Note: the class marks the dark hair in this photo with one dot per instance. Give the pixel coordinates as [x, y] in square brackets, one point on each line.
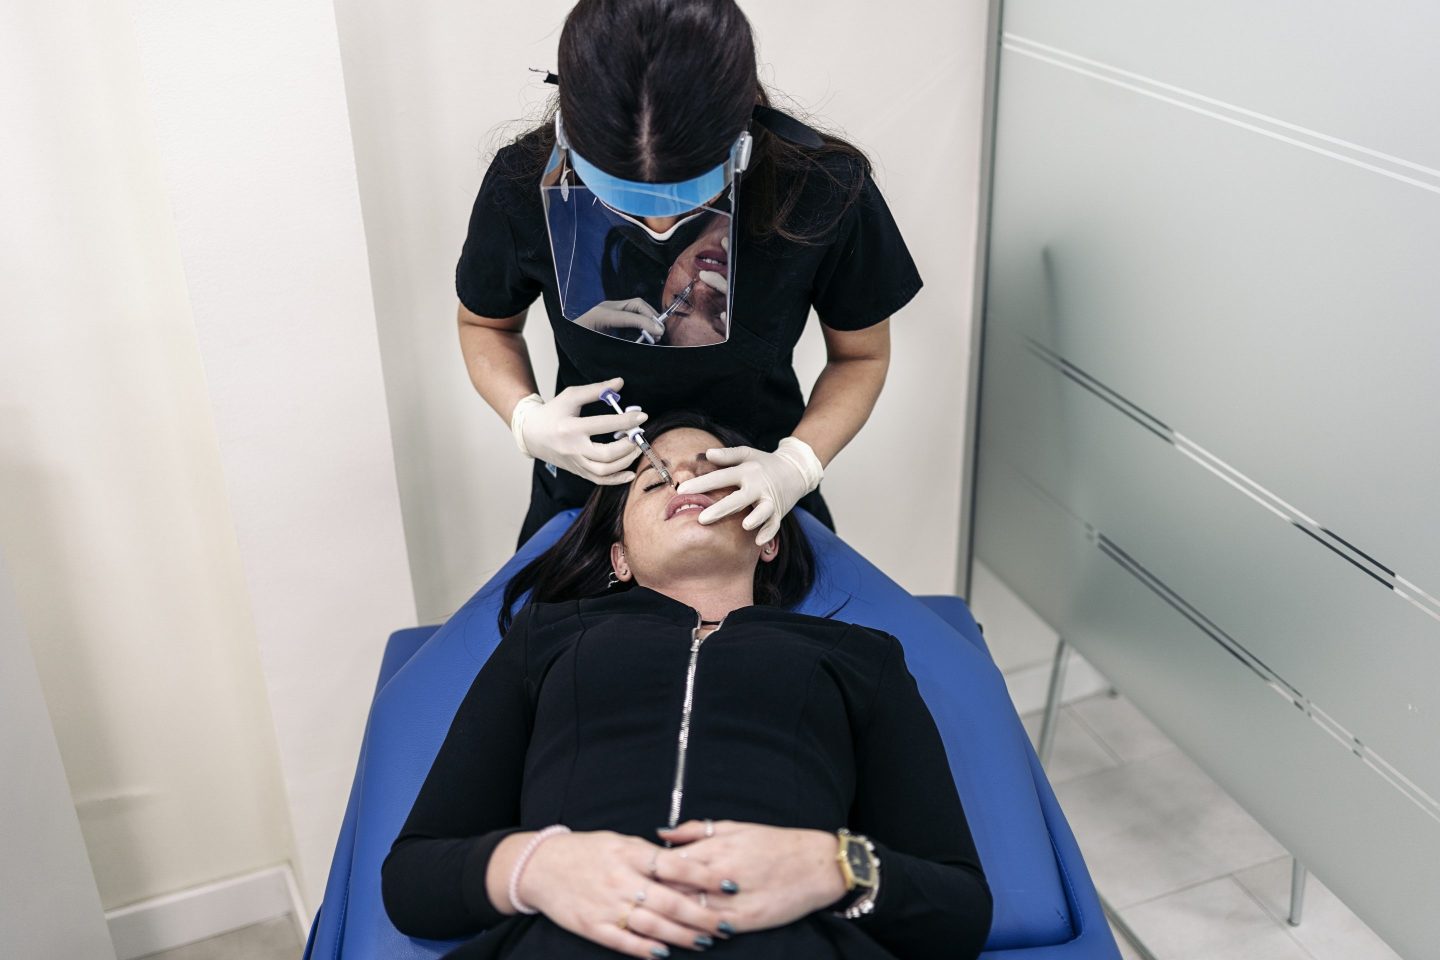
[658, 90]
[578, 564]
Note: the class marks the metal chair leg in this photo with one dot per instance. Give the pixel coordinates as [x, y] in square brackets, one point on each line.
[1052, 702]
[1298, 875]
[1042, 749]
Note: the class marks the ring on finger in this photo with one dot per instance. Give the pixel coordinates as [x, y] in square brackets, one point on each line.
[624, 922]
[654, 870]
[639, 896]
[704, 900]
[709, 827]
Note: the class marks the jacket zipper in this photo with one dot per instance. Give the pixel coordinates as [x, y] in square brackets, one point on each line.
[677, 793]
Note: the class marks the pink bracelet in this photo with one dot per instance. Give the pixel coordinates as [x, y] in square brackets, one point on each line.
[524, 858]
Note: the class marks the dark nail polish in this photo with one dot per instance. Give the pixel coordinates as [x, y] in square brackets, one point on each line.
[660, 952]
[724, 927]
[704, 942]
[729, 886]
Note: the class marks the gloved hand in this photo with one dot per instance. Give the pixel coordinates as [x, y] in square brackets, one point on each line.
[772, 482]
[556, 433]
[635, 313]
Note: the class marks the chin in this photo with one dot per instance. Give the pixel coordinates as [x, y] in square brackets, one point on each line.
[694, 333]
[690, 533]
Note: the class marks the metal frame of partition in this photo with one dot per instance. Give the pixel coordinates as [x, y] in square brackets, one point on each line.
[971, 441]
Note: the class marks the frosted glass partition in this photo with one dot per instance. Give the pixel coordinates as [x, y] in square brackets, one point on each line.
[1209, 431]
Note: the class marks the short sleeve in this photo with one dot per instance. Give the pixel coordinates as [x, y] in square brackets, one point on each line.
[867, 274]
[488, 278]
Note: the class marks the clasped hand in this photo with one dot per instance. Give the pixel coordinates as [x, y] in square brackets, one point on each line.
[635, 897]
[778, 874]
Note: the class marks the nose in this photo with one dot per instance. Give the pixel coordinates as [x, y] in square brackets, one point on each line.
[685, 469]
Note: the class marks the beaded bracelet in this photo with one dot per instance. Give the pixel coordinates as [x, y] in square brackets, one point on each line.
[524, 858]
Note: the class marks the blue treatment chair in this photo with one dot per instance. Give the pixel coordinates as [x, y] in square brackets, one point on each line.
[1046, 907]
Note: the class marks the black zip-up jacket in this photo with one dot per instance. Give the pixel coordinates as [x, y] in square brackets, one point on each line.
[796, 721]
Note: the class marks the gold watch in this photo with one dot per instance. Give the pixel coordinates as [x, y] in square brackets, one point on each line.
[861, 869]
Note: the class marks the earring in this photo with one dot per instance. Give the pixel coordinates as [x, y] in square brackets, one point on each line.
[613, 580]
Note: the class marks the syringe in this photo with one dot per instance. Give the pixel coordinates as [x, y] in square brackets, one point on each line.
[637, 434]
[682, 297]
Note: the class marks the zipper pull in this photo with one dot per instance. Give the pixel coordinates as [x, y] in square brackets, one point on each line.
[701, 622]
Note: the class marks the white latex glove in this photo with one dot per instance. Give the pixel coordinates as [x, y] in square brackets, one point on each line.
[634, 314]
[716, 281]
[770, 483]
[556, 433]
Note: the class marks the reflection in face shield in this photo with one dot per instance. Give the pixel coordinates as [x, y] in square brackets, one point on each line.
[703, 318]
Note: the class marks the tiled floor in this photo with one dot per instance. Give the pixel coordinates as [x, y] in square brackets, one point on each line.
[1192, 874]
[275, 939]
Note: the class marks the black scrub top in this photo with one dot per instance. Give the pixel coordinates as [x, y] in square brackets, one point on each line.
[795, 721]
[855, 276]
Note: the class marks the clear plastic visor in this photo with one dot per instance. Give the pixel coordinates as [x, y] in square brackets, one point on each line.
[619, 277]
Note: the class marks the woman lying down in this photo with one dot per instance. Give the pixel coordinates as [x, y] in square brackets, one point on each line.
[659, 755]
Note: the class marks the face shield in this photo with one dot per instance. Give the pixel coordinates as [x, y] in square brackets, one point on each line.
[619, 276]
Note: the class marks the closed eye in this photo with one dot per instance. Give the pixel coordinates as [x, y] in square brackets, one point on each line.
[648, 487]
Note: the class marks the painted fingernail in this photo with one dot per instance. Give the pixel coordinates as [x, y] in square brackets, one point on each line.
[659, 951]
[729, 886]
[724, 927]
[704, 942]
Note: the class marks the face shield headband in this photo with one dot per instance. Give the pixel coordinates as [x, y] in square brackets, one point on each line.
[641, 199]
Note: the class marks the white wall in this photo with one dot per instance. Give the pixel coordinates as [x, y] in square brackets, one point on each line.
[254, 142]
[430, 91]
[113, 513]
[52, 907]
[199, 495]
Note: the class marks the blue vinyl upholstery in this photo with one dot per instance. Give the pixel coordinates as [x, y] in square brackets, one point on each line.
[1046, 907]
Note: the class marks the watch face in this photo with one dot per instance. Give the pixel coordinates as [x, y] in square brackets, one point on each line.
[857, 856]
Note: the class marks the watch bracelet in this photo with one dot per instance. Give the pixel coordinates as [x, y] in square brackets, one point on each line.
[859, 905]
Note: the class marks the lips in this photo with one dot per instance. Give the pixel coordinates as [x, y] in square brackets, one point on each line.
[689, 503]
[713, 259]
